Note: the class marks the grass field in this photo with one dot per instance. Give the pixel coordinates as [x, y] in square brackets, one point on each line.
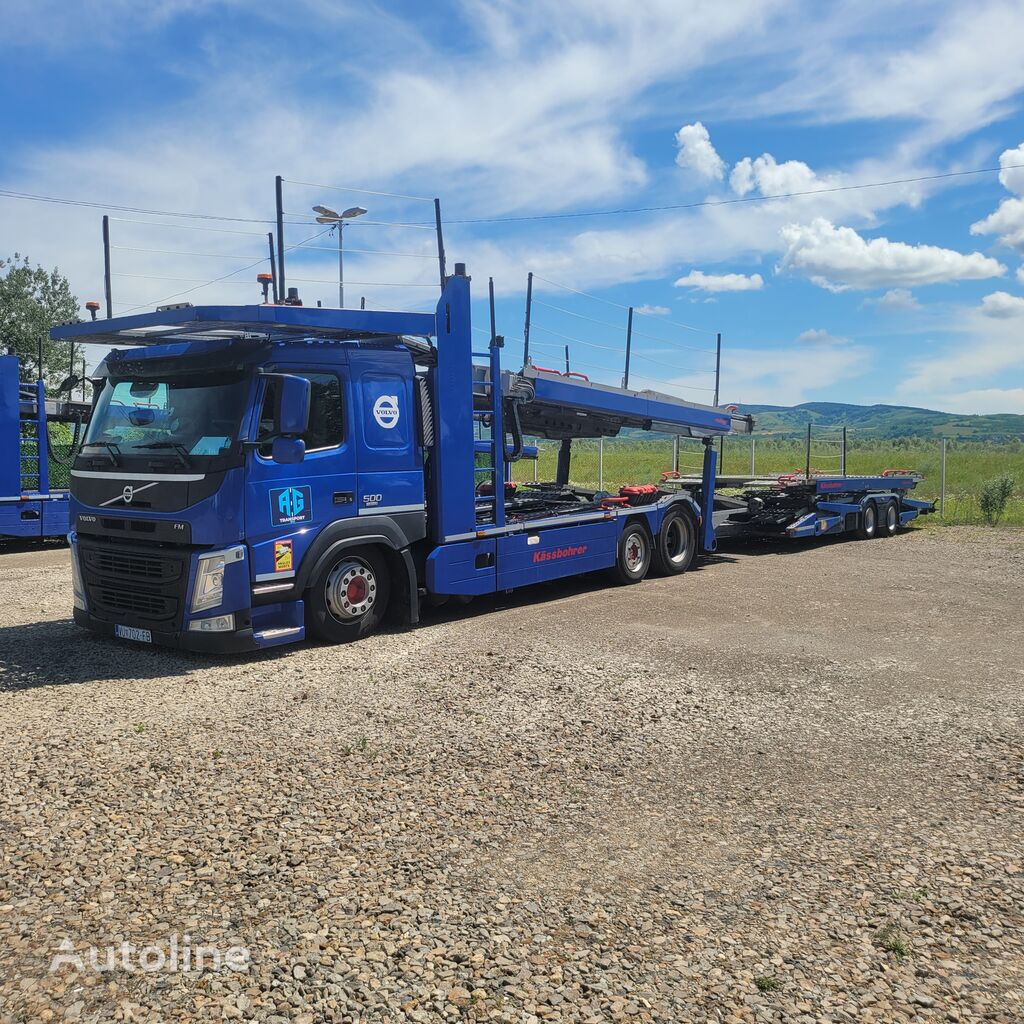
[968, 466]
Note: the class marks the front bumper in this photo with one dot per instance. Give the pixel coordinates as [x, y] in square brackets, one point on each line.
[236, 642]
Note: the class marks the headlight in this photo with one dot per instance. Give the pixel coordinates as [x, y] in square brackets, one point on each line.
[214, 624]
[208, 591]
[76, 579]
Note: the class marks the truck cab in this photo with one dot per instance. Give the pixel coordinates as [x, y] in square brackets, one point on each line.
[220, 475]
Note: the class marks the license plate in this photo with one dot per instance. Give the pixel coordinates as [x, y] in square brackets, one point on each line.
[132, 633]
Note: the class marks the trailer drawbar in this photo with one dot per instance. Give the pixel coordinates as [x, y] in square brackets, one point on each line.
[251, 473]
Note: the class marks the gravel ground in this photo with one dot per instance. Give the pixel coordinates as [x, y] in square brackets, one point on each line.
[786, 787]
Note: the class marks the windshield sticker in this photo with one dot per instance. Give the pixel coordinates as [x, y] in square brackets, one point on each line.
[209, 445]
[282, 555]
[291, 505]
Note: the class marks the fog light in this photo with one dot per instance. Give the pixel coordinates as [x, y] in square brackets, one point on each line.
[214, 624]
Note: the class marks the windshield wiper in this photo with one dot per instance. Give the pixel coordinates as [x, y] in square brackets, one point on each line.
[179, 449]
[112, 449]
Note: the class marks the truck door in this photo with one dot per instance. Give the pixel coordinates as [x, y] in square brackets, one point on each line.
[389, 458]
[286, 506]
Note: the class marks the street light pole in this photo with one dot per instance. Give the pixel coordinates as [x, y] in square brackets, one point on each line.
[341, 266]
[337, 221]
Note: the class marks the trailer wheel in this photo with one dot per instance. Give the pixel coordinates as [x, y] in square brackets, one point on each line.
[868, 521]
[890, 519]
[349, 596]
[676, 545]
[633, 557]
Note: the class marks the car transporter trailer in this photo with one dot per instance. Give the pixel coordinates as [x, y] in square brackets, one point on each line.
[212, 510]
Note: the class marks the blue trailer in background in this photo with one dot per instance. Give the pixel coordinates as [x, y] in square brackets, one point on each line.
[31, 507]
[251, 473]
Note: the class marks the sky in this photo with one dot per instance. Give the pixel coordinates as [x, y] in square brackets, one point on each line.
[622, 153]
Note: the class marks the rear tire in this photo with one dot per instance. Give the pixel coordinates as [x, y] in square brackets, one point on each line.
[890, 519]
[868, 528]
[633, 556]
[349, 596]
[676, 545]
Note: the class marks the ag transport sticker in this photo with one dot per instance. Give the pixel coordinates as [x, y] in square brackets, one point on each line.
[291, 505]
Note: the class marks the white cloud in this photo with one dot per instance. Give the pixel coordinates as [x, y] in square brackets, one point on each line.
[985, 349]
[653, 310]
[947, 71]
[895, 300]
[1007, 220]
[696, 152]
[771, 178]
[1020, 274]
[979, 400]
[721, 282]
[837, 258]
[1002, 306]
[785, 375]
[815, 336]
[1011, 175]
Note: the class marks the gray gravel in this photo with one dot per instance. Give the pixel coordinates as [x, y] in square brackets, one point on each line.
[786, 787]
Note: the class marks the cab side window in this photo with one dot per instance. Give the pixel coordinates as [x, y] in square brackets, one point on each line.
[326, 414]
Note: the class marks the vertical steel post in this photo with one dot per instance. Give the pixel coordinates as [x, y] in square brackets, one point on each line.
[566, 359]
[273, 267]
[526, 323]
[83, 378]
[718, 363]
[629, 343]
[497, 420]
[707, 494]
[753, 446]
[600, 463]
[440, 242]
[721, 453]
[808, 470]
[675, 453]
[42, 448]
[842, 460]
[362, 302]
[106, 266]
[536, 463]
[942, 482]
[279, 197]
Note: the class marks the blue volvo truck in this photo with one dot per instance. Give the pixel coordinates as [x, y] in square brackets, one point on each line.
[252, 474]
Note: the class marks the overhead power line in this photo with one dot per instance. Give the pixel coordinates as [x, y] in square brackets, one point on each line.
[61, 200]
[732, 202]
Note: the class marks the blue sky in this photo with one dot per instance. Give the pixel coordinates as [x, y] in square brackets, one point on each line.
[906, 294]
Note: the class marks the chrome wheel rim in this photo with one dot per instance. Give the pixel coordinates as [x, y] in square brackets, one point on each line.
[891, 519]
[677, 541]
[351, 590]
[635, 553]
[869, 519]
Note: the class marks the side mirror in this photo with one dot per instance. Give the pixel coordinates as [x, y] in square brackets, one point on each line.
[292, 405]
[287, 451]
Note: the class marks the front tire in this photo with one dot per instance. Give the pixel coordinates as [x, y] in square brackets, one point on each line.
[676, 546]
[633, 556]
[349, 596]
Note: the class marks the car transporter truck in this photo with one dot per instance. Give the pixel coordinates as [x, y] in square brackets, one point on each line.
[253, 472]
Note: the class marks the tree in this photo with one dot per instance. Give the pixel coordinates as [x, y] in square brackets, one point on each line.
[32, 300]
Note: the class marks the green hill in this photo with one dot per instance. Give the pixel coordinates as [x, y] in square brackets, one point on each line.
[885, 421]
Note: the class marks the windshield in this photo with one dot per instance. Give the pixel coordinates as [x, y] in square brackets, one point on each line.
[178, 417]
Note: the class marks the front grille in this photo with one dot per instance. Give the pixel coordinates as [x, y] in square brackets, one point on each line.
[133, 586]
[153, 607]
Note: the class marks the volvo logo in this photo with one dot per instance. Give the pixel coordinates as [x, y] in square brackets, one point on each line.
[128, 494]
